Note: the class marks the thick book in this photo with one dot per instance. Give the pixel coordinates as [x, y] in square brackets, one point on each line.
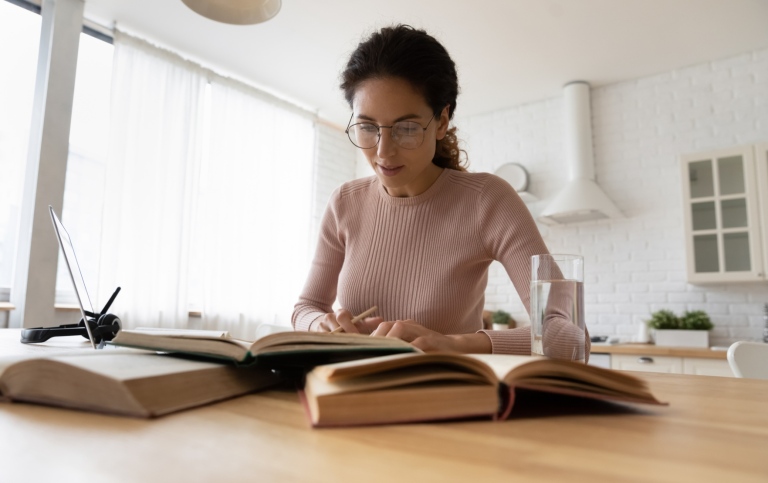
[124, 381]
[440, 386]
[282, 349]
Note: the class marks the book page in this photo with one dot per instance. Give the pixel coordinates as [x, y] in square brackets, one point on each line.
[502, 364]
[186, 333]
[575, 378]
[542, 371]
[126, 364]
[223, 346]
[342, 339]
[8, 361]
[396, 378]
[559, 369]
[394, 364]
[580, 387]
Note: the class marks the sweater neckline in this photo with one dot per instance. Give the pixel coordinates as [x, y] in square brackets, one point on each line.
[414, 200]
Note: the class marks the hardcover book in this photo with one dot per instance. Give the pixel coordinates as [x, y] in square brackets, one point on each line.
[125, 382]
[299, 349]
[438, 386]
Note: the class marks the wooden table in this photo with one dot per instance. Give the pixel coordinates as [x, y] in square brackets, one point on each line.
[715, 429]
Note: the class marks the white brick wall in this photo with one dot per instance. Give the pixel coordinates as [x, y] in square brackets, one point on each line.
[636, 265]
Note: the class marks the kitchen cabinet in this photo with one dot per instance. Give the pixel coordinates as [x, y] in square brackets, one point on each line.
[706, 367]
[670, 360]
[671, 365]
[646, 363]
[724, 214]
[761, 160]
[600, 360]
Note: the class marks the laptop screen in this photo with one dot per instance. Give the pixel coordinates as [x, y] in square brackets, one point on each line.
[70, 259]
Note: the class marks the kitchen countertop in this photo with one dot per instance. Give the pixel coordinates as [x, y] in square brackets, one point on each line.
[654, 350]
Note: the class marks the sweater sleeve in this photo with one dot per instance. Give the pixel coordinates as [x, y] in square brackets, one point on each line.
[319, 291]
[510, 235]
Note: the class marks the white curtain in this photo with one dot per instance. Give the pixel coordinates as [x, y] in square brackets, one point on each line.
[253, 210]
[207, 196]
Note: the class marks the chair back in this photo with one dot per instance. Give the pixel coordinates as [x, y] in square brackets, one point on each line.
[749, 359]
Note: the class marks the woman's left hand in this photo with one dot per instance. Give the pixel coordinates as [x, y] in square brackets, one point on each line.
[429, 340]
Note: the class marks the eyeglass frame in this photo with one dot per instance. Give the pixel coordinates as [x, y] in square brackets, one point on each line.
[378, 129]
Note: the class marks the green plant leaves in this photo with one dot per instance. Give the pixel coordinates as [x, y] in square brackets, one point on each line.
[691, 320]
[696, 320]
[501, 317]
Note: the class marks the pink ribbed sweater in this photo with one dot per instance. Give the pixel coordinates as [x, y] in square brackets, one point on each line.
[425, 257]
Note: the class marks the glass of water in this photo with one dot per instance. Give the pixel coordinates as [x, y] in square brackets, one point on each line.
[557, 307]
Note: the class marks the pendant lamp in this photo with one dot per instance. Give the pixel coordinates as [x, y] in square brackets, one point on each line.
[238, 12]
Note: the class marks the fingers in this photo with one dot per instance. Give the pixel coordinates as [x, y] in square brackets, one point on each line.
[369, 324]
[425, 344]
[402, 329]
[322, 324]
[420, 337]
[383, 329]
[344, 319]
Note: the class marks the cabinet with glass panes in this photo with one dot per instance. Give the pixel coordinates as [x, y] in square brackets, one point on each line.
[725, 208]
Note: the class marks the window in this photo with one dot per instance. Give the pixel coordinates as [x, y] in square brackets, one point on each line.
[19, 43]
[19, 48]
[244, 162]
[86, 165]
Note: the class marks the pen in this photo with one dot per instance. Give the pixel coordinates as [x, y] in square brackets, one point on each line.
[357, 318]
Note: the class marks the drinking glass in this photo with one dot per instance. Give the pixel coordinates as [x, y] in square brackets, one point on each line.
[557, 306]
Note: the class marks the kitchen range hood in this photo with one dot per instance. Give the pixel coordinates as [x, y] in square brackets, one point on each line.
[581, 199]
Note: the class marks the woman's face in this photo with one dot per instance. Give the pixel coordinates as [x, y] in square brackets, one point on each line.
[403, 172]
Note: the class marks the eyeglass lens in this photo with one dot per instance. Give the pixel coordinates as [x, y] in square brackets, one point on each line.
[406, 134]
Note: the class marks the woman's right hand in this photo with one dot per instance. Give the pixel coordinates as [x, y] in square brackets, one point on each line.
[343, 318]
[329, 322]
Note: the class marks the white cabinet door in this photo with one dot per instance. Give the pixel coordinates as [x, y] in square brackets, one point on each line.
[706, 367]
[600, 360]
[671, 365]
[721, 212]
[761, 160]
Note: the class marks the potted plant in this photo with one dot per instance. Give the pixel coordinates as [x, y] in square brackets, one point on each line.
[501, 320]
[690, 330]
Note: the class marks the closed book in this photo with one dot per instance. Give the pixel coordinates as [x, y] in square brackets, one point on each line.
[440, 386]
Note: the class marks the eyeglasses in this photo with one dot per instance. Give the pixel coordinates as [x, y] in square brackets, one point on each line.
[406, 134]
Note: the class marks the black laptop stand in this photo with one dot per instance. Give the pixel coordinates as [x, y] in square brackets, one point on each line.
[104, 326]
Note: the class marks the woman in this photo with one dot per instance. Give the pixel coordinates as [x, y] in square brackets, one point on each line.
[417, 238]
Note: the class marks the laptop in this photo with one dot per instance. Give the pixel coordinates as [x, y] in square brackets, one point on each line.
[89, 317]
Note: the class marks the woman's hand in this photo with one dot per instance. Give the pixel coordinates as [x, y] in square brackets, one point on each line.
[343, 318]
[429, 340]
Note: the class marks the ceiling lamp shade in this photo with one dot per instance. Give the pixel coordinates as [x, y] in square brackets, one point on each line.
[237, 12]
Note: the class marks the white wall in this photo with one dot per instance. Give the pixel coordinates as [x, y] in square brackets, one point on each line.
[636, 265]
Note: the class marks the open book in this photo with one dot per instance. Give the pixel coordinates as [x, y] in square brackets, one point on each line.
[435, 386]
[301, 349]
[125, 381]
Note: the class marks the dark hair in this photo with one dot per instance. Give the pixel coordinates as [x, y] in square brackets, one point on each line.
[415, 56]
